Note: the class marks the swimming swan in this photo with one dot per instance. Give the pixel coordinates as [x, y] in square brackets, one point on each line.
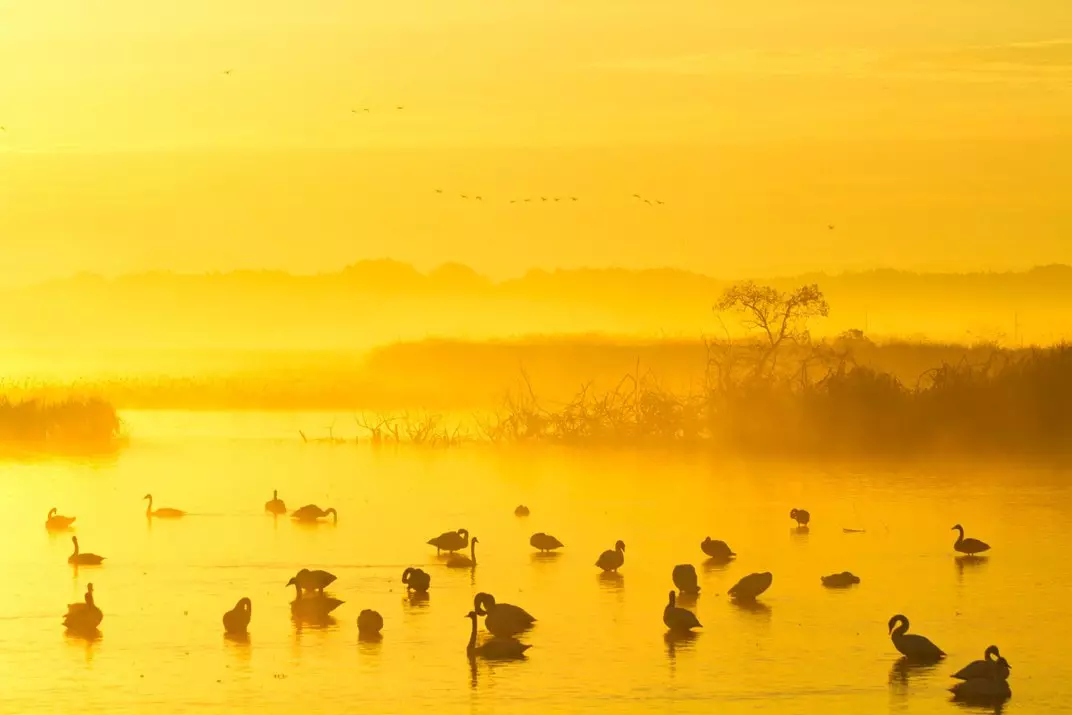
[310, 513]
[237, 619]
[164, 513]
[54, 522]
[80, 559]
[968, 546]
[461, 561]
[914, 647]
[83, 616]
[416, 580]
[369, 623]
[751, 586]
[840, 580]
[275, 505]
[612, 560]
[995, 669]
[679, 619]
[502, 619]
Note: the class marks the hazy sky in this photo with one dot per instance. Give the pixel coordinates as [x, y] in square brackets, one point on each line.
[931, 133]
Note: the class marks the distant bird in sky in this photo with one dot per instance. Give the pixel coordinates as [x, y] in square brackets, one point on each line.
[228, 71]
[479, 198]
[363, 109]
[400, 108]
[527, 200]
[543, 198]
[3, 129]
[464, 196]
[439, 191]
[830, 227]
[573, 198]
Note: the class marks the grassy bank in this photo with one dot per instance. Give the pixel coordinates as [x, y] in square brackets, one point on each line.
[65, 425]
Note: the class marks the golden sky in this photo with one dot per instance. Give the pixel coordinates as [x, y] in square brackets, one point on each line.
[931, 133]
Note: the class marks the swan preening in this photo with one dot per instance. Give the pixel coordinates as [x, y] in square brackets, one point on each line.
[993, 669]
[450, 541]
[316, 580]
[612, 560]
[684, 577]
[968, 546]
[369, 623]
[521, 510]
[751, 586]
[55, 522]
[275, 505]
[236, 620]
[310, 513]
[800, 516]
[840, 580]
[83, 617]
[495, 648]
[544, 542]
[416, 580]
[461, 561]
[914, 647]
[679, 619]
[80, 559]
[717, 549]
[164, 513]
[502, 619]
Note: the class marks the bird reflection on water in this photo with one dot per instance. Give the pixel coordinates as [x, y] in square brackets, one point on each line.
[970, 563]
[611, 581]
[679, 641]
[904, 671]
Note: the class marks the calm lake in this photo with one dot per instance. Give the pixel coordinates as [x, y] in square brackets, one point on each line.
[599, 645]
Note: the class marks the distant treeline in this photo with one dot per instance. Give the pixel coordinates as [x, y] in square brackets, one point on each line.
[69, 424]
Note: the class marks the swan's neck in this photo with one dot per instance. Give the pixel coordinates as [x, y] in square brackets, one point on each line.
[472, 638]
[960, 534]
[472, 551]
[900, 629]
[149, 509]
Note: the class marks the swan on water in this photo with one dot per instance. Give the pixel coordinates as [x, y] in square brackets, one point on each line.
[461, 561]
[164, 513]
[310, 513]
[369, 622]
[315, 580]
[55, 522]
[275, 505]
[717, 549]
[237, 619]
[612, 560]
[984, 691]
[495, 648]
[502, 619]
[751, 586]
[83, 616]
[450, 541]
[996, 668]
[416, 580]
[521, 510]
[545, 542]
[968, 546]
[679, 619]
[840, 580]
[914, 647]
[801, 516]
[80, 559]
[684, 577]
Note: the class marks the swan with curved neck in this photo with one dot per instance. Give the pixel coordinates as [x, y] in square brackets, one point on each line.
[801, 516]
[502, 619]
[460, 561]
[80, 559]
[912, 646]
[55, 522]
[163, 512]
[496, 648]
[416, 580]
[612, 560]
[310, 513]
[544, 542]
[450, 541]
[968, 546]
[237, 619]
[716, 549]
[992, 667]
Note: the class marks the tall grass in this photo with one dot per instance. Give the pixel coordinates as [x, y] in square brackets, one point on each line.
[65, 425]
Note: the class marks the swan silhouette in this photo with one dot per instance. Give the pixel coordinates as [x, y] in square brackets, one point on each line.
[164, 513]
[717, 549]
[840, 580]
[461, 561]
[450, 541]
[968, 546]
[545, 542]
[416, 580]
[751, 586]
[495, 648]
[612, 560]
[915, 647]
[80, 559]
[996, 668]
[502, 619]
[983, 691]
[310, 513]
[236, 620]
[55, 522]
[801, 516]
[679, 619]
[315, 580]
[275, 505]
[83, 617]
[369, 623]
[521, 510]
[684, 577]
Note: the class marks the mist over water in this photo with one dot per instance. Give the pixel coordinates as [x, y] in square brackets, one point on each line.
[599, 644]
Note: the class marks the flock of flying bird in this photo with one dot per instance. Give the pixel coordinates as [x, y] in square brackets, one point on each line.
[551, 199]
[984, 680]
